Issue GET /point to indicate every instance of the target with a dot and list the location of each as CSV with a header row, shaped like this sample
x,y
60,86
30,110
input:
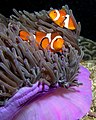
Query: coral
x,y
91,65
88,47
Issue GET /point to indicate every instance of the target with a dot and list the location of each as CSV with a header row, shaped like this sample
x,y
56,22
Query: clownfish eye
x,y
65,17
54,11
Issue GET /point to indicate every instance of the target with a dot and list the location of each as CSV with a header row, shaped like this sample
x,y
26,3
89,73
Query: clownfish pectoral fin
x,y
44,43
62,24
24,35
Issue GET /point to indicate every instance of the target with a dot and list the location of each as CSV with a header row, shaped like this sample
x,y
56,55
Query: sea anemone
x,y
35,83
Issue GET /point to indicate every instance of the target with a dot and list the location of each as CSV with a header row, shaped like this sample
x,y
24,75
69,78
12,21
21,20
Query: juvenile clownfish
x,y
52,41
61,18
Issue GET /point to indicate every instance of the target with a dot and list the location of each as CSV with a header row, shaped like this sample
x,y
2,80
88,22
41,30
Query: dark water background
x,y
83,10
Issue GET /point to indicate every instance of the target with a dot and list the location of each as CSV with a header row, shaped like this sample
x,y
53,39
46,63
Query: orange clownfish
x,y
61,18
52,41
24,35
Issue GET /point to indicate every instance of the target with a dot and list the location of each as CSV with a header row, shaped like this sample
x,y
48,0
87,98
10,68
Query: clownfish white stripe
x,y
58,15
66,21
34,36
53,41
48,35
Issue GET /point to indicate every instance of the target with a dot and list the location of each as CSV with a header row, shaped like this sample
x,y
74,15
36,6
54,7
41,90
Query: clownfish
x,y
61,18
24,35
52,41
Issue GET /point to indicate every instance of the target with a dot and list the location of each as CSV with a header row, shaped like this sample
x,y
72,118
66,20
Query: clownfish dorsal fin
x,y
62,12
54,34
